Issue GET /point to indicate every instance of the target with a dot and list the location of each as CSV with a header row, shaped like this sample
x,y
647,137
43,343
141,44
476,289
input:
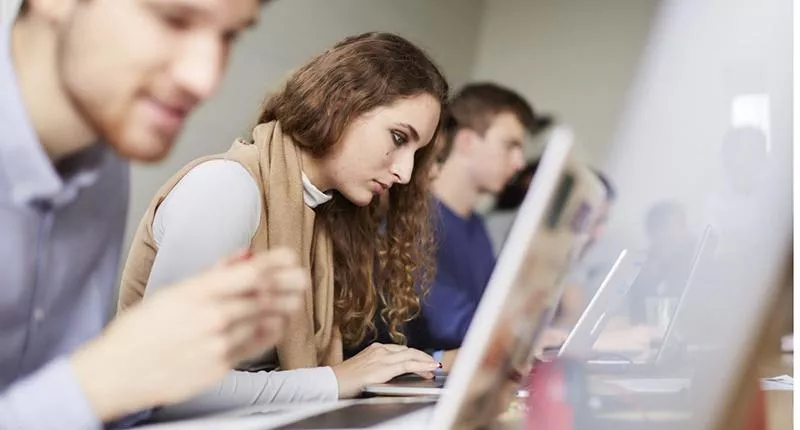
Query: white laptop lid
x,y
591,320
546,236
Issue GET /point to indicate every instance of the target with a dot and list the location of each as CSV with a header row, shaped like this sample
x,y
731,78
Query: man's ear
x,y
53,11
465,140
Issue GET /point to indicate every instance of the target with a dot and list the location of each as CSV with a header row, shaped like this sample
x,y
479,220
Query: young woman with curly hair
x,y
352,123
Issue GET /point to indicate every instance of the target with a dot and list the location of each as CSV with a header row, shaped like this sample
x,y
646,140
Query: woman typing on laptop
x,y
352,123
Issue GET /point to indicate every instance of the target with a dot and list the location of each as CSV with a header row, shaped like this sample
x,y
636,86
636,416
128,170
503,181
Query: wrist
x,y
343,382
100,386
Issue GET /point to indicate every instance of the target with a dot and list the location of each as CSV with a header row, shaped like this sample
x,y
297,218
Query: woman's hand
x,y
379,363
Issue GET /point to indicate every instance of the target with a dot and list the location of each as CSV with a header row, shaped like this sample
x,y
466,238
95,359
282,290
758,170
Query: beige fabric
x,y
286,221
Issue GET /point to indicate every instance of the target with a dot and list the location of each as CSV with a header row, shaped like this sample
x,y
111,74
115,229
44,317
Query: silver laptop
x,y
612,290
702,263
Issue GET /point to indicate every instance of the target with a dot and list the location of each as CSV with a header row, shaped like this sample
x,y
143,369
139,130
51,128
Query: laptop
x,y
703,262
582,337
552,228
591,322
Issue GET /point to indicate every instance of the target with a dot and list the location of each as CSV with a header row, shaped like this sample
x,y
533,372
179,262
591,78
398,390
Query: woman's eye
x,y
399,138
175,21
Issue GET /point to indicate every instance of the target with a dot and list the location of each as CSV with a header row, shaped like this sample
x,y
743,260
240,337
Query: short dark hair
x,y
514,192
476,105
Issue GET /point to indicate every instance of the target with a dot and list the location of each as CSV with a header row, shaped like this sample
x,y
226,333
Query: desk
x,y
779,411
779,403
513,420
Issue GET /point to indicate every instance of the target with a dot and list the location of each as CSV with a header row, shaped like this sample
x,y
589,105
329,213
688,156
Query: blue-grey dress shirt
x,y
61,230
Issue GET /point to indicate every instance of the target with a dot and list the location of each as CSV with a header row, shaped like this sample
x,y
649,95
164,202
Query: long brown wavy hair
x,y
390,262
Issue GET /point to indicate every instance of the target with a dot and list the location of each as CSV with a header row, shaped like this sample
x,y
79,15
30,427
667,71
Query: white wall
x,y
573,58
8,9
290,32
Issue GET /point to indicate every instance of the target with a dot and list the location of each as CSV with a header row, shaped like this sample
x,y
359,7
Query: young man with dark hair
x,y
486,127
86,85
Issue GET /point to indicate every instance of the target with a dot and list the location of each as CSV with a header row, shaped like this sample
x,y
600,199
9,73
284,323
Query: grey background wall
x,y
576,59
572,58
290,32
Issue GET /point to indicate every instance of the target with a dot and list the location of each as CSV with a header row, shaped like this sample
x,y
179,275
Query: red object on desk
x,y
548,403
758,412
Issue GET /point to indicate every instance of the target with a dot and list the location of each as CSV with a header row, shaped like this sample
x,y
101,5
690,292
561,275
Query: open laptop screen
x,y
548,233
581,338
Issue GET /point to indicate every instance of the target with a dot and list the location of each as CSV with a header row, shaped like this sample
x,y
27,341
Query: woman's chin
x,y
361,199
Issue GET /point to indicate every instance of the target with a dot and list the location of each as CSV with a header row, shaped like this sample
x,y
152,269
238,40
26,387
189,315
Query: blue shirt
x,y
61,228
464,263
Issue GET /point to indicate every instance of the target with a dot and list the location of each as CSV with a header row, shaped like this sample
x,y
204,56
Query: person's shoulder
x,y
219,172
217,191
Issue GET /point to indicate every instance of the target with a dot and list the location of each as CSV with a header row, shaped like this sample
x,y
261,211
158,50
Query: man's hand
x,y
188,336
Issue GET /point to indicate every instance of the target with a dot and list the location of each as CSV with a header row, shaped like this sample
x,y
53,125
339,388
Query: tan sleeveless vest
x,y
286,221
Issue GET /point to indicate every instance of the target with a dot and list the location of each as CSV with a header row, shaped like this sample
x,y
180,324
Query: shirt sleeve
x,y
209,215
50,398
241,389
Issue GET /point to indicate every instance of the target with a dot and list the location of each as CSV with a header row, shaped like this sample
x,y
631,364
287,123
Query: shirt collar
x,y
312,195
28,171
